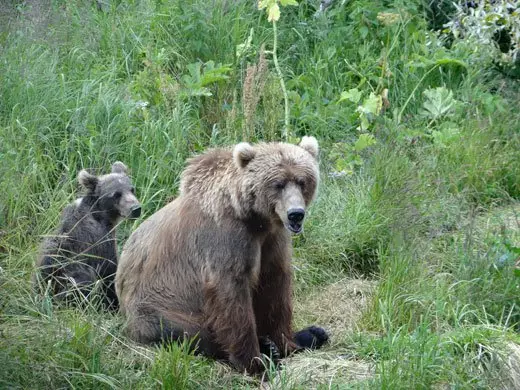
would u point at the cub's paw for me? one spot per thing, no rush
(269, 349)
(312, 337)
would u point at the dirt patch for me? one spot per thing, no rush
(31, 16)
(313, 369)
(336, 307)
(501, 221)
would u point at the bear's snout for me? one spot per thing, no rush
(295, 217)
(135, 211)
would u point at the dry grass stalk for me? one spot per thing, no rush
(252, 90)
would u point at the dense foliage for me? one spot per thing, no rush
(420, 137)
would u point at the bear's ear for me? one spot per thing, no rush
(87, 180)
(119, 167)
(310, 144)
(243, 153)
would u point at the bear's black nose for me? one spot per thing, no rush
(296, 215)
(135, 212)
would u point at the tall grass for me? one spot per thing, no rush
(434, 224)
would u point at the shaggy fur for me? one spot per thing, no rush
(83, 251)
(216, 262)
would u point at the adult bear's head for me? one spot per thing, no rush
(280, 179)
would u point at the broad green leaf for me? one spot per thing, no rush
(353, 95)
(342, 165)
(364, 124)
(364, 141)
(363, 31)
(371, 105)
(214, 73)
(439, 102)
(199, 77)
(450, 62)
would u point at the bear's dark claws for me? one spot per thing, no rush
(312, 337)
(268, 348)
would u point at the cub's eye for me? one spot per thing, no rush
(300, 182)
(279, 185)
(117, 194)
(132, 190)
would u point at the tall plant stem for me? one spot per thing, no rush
(285, 131)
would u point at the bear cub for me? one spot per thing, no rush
(83, 252)
(215, 263)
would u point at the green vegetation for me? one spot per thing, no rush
(409, 252)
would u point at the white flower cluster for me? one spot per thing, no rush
(482, 22)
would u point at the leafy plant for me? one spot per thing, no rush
(368, 110)
(439, 103)
(347, 157)
(273, 15)
(151, 83)
(493, 26)
(200, 76)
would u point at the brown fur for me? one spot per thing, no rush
(83, 252)
(215, 262)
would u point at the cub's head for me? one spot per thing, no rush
(113, 192)
(279, 180)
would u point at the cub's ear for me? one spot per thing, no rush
(310, 144)
(243, 153)
(87, 180)
(119, 167)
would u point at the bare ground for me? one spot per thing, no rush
(338, 308)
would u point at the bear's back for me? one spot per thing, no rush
(206, 171)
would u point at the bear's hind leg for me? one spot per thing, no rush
(152, 328)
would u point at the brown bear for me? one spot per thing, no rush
(215, 263)
(83, 251)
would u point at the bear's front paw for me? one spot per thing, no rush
(312, 337)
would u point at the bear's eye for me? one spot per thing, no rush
(279, 185)
(300, 183)
(132, 190)
(117, 194)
